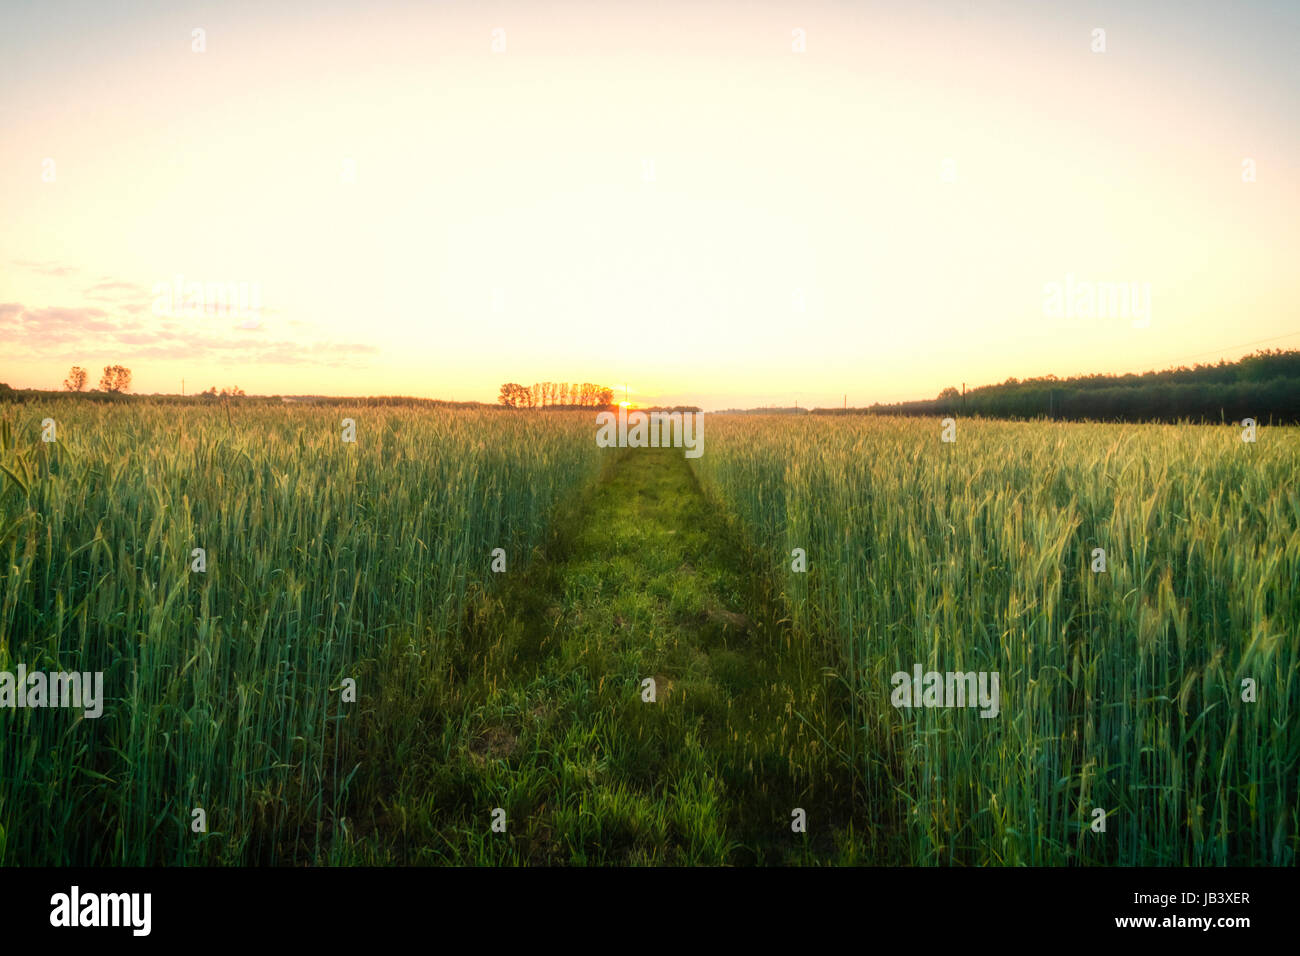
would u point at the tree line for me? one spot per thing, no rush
(555, 395)
(1264, 386)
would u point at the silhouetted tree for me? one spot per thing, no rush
(116, 378)
(552, 394)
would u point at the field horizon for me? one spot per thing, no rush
(1264, 384)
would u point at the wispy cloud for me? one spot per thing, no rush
(113, 289)
(46, 268)
(73, 333)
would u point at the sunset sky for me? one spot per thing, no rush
(661, 194)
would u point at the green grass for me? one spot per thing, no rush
(643, 579)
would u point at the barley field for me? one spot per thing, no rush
(1121, 690)
(1149, 712)
(325, 560)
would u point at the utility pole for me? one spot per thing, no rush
(182, 388)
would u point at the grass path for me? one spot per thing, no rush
(544, 718)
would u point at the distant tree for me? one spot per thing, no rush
(116, 378)
(551, 394)
(949, 392)
(76, 380)
(514, 395)
(233, 391)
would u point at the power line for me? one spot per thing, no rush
(1229, 348)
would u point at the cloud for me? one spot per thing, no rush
(110, 289)
(46, 268)
(69, 333)
(62, 316)
(20, 325)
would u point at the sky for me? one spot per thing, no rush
(720, 204)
